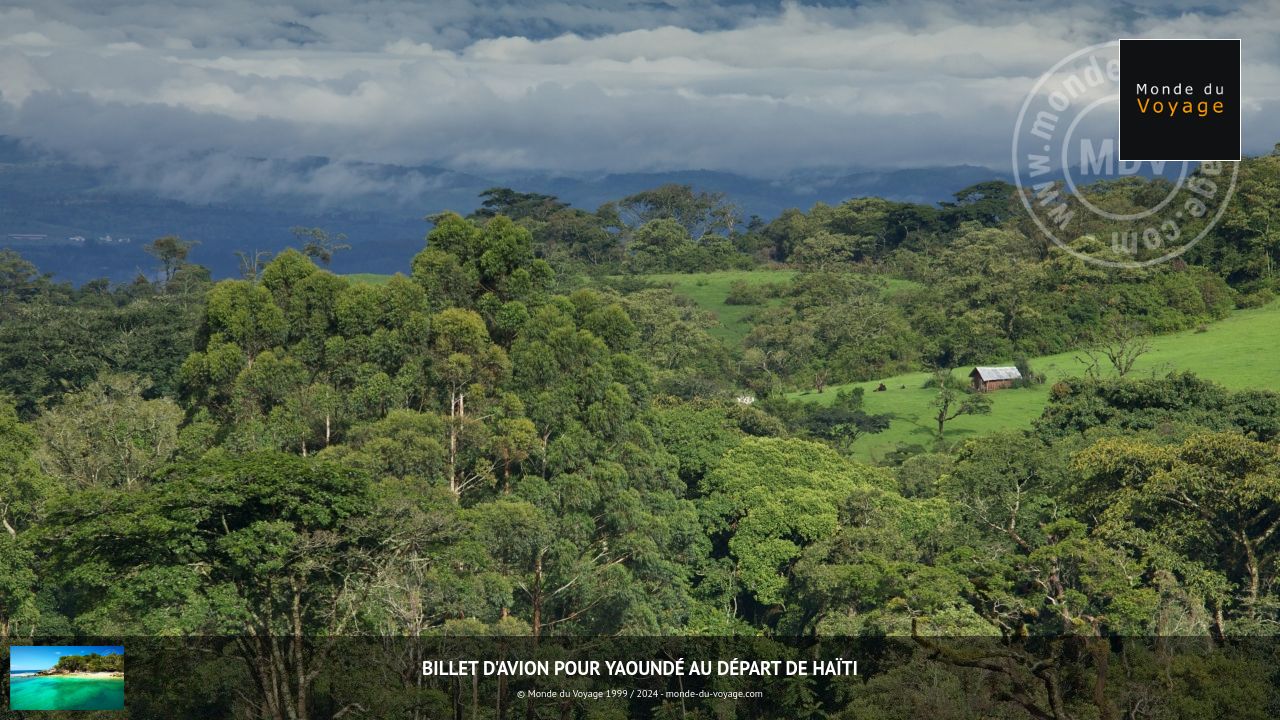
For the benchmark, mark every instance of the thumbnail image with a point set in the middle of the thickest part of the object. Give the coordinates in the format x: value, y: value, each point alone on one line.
x: 62, y: 677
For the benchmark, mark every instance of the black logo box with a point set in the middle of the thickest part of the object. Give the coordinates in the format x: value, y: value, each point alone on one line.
x: 1186, y: 64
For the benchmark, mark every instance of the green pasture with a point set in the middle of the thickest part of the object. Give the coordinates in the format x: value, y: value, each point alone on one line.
x: 709, y: 290
x: 1242, y: 351
x: 369, y: 278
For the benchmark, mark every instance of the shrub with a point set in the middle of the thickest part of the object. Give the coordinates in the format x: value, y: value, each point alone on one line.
x: 1255, y: 299
x: 743, y: 293
x: 1030, y: 378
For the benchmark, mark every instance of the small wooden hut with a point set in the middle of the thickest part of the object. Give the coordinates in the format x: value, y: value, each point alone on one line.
x: 986, y: 379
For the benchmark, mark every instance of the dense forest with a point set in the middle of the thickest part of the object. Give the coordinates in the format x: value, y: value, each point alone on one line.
x: 527, y: 435
x: 91, y: 663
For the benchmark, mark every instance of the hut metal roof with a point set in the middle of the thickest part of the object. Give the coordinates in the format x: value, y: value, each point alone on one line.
x: 996, y: 373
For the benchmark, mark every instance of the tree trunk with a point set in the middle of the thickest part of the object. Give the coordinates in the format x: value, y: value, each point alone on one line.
x: 1251, y: 567
x: 299, y: 663
x: 502, y: 696
x: 536, y: 599
x: 457, y: 698
x: 1100, y: 648
x: 457, y: 412
x: 1219, y: 633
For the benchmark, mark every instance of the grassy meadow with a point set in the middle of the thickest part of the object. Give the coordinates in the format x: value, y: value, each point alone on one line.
x: 369, y: 278
x: 709, y: 290
x: 1242, y: 351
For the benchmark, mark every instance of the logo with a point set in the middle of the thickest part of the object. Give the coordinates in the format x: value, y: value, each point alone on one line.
x: 1086, y: 200
x: 1180, y: 99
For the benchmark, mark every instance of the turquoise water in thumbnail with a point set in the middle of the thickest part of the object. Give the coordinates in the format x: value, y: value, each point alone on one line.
x: 65, y: 693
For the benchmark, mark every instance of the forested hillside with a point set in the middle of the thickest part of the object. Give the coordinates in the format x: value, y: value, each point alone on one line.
x: 90, y: 220
x: 530, y: 433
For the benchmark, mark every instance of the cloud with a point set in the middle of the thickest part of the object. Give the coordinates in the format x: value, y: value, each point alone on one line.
x: 18, y: 77
x: 756, y: 88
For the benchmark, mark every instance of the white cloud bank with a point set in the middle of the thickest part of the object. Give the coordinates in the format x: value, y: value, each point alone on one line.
x: 756, y: 89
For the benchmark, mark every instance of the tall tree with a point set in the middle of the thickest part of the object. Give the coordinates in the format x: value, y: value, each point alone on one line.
x: 1213, y: 500
x: 467, y: 364
x: 517, y: 205
x: 19, y: 279
x: 267, y: 547
x: 108, y: 435
x: 23, y: 488
x: 770, y: 498
x: 246, y: 314
x: 698, y: 212
x: 318, y: 244
x: 171, y: 251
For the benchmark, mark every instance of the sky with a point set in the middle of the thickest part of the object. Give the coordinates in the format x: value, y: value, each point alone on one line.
x: 758, y: 88
x: 43, y: 657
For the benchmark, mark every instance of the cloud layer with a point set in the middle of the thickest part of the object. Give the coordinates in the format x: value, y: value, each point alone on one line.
x: 754, y: 88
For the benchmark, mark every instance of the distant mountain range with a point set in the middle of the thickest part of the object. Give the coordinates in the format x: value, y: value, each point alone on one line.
x: 82, y: 221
